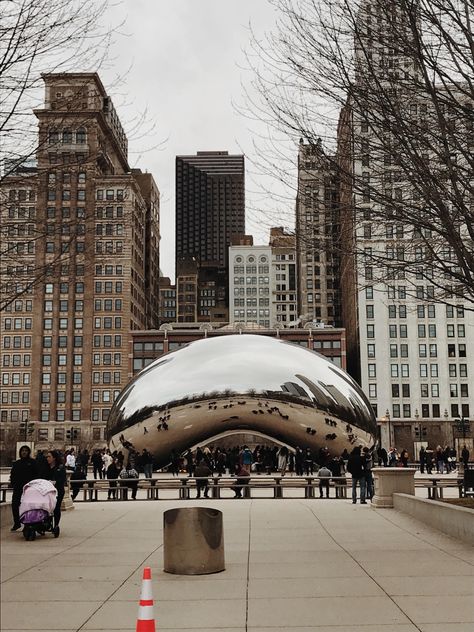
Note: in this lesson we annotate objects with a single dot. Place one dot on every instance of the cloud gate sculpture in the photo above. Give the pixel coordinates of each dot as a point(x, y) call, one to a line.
point(240, 383)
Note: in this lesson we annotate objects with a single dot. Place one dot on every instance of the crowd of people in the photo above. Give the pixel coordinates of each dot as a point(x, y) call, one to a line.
point(238, 461)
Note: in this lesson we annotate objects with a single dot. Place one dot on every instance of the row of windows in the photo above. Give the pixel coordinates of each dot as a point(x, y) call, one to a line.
point(108, 270)
point(17, 323)
point(64, 288)
point(15, 379)
point(109, 247)
point(106, 397)
point(19, 305)
point(106, 341)
point(67, 136)
point(60, 416)
point(66, 195)
point(64, 247)
point(62, 341)
point(251, 280)
point(107, 359)
point(106, 377)
point(251, 269)
point(107, 287)
point(108, 305)
point(65, 177)
point(251, 302)
point(61, 359)
point(61, 377)
point(15, 397)
point(108, 322)
point(16, 342)
point(16, 359)
point(251, 313)
point(64, 305)
point(60, 397)
point(63, 323)
point(251, 291)
point(109, 212)
point(112, 230)
point(110, 195)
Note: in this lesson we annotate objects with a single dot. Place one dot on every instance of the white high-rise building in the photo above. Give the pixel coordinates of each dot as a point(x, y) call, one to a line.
point(416, 353)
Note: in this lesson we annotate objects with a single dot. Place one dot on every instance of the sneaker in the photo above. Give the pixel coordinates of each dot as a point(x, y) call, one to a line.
point(15, 527)
point(363, 502)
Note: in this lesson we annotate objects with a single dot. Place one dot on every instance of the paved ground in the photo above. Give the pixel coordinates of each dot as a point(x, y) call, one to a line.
point(293, 565)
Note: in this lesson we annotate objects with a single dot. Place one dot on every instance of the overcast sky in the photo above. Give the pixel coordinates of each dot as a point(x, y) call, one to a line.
point(186, 68)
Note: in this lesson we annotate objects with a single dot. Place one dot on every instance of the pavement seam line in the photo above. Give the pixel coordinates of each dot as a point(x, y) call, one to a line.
point(248, 569)
point(119, 587)
point(362, 568)
point(415, 535)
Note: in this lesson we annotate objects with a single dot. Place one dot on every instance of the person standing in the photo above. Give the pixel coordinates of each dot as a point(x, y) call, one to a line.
point(23, 471)
point(246, 458)
point(97, 464)
point(308, 462)
point(465, 456)
point(113, 472)
point(369, 477)
point(57, 475)
point(299, 461)
point(404, 458)
point(356, 467)
point(147, 463)
point(188, 457)
point(71, 460)
point(422, 459)
point(283, 459)
point(241, 480)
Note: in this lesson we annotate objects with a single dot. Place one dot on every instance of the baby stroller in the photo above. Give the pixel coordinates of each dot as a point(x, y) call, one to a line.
point(36, 508)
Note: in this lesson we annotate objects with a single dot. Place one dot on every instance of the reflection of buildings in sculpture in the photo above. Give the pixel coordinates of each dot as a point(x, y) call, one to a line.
point(218, 397)
point(321, 398)
point(294, 389)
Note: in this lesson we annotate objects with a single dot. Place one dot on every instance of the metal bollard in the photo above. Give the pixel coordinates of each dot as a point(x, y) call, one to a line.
point(193, 541)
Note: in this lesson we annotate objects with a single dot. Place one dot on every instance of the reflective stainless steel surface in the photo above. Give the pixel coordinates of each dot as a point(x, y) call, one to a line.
point(240, 382)
point(193, 541)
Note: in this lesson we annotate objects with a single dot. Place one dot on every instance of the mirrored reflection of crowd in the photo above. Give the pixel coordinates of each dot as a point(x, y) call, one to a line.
point(263, 459)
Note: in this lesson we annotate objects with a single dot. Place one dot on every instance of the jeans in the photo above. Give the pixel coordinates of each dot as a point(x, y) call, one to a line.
point(148, 470)
point(361, 482)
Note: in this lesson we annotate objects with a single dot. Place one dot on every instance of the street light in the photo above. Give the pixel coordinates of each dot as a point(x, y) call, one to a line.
point(387, 419)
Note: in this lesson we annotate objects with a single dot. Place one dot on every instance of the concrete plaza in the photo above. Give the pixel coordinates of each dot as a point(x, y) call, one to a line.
point(293, 565)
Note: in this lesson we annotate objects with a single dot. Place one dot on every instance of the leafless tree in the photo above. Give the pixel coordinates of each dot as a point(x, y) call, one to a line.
point(388, 87)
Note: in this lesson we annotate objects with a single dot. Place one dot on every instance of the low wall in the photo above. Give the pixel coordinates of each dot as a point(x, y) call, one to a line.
point(6, 519)
point(458, 522)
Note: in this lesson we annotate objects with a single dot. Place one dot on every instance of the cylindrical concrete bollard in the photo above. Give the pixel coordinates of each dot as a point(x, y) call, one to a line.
point(193, 541)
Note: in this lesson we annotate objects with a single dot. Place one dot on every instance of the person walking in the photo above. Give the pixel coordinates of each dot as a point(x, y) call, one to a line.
point(23, 471)
point(369, 477)
point(356, 467)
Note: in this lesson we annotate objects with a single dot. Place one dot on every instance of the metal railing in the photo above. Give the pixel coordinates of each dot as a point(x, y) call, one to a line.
point(219, 487)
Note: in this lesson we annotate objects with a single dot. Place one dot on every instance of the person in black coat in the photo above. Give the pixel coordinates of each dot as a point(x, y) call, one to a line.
point(113, 473)
point(356, 467)
point(57, 475)
point(23, 471)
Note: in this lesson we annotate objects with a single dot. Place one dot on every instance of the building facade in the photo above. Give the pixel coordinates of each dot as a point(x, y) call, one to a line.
point(210, 209)
point(82, 239)
point(416, 347)
point(318, 237)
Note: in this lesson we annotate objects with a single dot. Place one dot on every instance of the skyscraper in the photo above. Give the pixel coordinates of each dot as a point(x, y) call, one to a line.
point(210, 209)
point(81, 237)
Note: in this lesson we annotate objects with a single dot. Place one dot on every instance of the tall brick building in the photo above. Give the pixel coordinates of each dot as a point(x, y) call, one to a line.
point(81, 269)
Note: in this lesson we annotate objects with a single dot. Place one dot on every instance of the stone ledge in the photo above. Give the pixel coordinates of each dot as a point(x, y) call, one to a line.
point(458, 522)
point(6, 519)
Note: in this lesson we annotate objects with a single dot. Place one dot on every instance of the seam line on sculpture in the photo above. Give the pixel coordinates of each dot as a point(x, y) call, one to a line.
point(364, 570)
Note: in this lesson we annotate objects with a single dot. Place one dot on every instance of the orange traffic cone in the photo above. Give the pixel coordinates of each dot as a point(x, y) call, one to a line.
point(146, 618)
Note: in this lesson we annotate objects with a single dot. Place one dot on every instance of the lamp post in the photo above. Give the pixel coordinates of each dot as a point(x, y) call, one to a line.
point(386, 419)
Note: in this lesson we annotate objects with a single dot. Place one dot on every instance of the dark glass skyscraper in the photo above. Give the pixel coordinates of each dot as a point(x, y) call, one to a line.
point(210, 209)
